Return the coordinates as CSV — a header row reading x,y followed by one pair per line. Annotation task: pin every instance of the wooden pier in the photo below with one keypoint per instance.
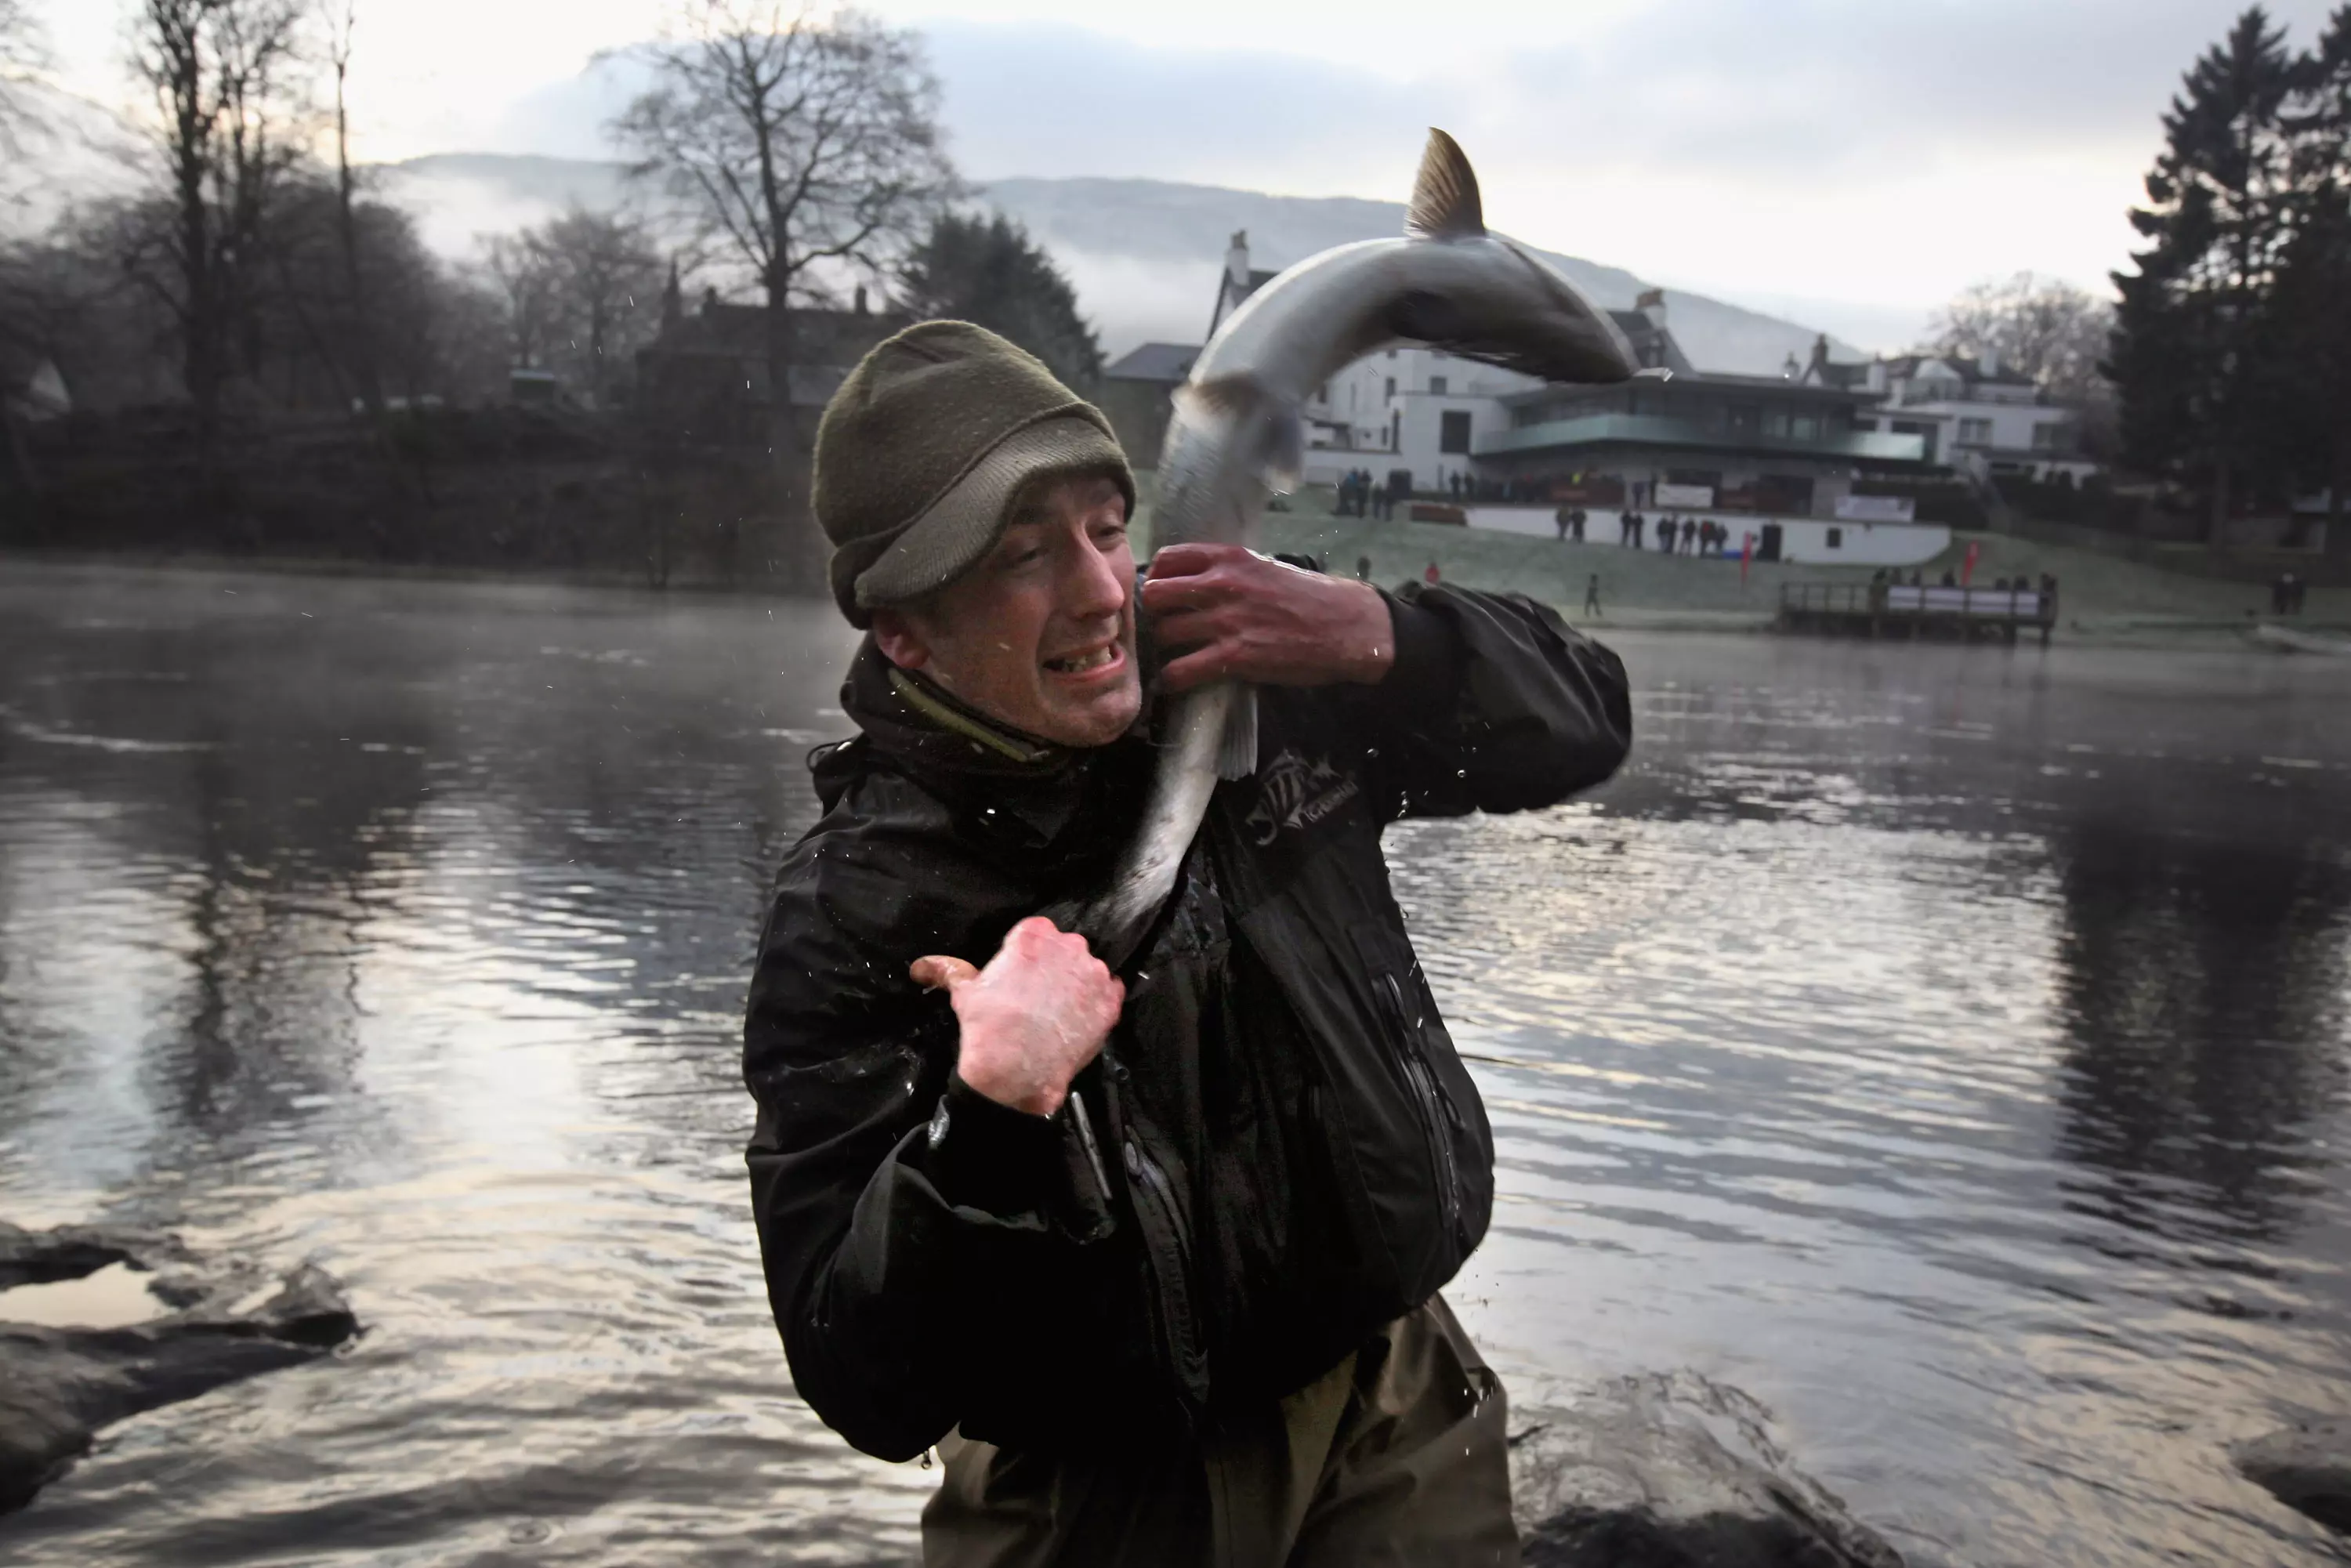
x,y
1899,610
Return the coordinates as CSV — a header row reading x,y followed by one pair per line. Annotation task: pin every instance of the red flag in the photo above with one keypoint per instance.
x,y
1746,554
1967,567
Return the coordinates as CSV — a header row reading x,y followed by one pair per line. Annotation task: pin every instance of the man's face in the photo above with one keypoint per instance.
x,y
1039,635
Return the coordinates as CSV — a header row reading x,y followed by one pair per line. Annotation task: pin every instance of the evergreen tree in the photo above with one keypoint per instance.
x,y
989,271
2199,393
2312,305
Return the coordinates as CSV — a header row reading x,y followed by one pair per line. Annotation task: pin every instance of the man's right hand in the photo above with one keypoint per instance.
x,y
1034,1018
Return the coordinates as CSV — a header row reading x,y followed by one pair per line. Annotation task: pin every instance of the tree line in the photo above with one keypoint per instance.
x,y
2232,349
782,152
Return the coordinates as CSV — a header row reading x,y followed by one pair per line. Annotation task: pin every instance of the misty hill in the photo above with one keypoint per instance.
x,y
1154,247
1143,253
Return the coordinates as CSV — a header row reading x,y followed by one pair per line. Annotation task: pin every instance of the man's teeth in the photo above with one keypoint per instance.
x,y
1077,663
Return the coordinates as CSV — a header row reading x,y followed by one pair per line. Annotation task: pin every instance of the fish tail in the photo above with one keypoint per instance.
x,y
1237,751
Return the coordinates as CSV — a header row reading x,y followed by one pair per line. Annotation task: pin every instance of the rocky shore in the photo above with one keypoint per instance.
x,y
59,1385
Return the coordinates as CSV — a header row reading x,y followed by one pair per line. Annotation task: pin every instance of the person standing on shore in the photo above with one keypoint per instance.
x,y
1199,1323
1591,595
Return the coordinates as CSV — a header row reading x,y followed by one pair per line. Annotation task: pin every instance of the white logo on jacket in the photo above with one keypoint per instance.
x,y
1294,793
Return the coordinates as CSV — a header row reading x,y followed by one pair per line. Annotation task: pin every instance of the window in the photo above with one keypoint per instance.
x,y
1437,385
1836,539
1453,431
1392,389
1973,432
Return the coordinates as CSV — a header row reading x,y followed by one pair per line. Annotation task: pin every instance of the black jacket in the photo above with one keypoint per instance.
x,y
1293,1152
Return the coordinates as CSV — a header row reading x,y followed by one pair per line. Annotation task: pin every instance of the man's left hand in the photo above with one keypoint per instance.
x,y
1246,617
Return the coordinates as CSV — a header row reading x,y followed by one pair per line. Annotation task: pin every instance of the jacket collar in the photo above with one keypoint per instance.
x,y
988,772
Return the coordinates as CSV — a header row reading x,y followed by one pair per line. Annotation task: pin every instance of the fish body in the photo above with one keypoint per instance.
x,y
1236,436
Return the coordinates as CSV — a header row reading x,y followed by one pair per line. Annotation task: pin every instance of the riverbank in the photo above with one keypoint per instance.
x,y
2105,598
2102,598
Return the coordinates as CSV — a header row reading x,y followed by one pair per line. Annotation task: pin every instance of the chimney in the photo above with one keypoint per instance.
x,y
1989,362
1237,267
1652,304
1875,378
860,300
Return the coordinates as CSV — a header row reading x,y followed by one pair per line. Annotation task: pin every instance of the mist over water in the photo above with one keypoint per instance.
x,y
1946,1045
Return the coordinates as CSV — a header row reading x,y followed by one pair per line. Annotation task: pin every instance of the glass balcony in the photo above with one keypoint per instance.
x,y
1659,430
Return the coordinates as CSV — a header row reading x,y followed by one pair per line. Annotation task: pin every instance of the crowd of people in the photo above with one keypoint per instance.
x,y
1361,495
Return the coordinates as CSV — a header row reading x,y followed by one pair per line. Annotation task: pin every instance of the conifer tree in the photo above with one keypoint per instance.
x,y
989,271
2312,306
2198,391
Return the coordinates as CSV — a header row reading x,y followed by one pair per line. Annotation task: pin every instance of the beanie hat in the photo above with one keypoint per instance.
x,y
926,444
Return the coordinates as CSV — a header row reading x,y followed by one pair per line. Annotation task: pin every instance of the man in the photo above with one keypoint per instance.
x,y
1152,1258
1591,595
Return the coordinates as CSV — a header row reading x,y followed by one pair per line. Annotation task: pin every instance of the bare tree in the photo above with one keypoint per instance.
x,y
804,143
219,70
524,280
342,21
2043,328
604,280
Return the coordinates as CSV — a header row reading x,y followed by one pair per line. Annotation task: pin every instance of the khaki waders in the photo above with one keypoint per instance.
x,y
1397,1458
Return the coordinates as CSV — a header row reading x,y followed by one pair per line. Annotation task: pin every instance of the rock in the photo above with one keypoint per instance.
x,y
58,1386
1674,1471
2306,1467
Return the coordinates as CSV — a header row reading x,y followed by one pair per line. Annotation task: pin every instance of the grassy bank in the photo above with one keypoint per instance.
x,y
2103,596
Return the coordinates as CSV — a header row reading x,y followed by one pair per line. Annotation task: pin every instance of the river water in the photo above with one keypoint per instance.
x,y
1945,1045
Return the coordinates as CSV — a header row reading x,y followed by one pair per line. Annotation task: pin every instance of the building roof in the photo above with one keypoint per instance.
x,y
820,337
1168,363
1969,368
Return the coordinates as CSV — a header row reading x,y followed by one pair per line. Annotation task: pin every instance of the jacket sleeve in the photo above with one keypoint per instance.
x,y
876,1243
1494,703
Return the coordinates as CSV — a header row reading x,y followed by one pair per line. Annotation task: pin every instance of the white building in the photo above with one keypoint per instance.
x,y
1791,459
1974,413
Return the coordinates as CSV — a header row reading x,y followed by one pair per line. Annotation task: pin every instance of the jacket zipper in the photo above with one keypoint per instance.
x,y
1178,1329
1435,1112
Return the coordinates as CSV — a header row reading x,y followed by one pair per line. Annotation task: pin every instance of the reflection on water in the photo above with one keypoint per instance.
x,y
1946,1045
115,1297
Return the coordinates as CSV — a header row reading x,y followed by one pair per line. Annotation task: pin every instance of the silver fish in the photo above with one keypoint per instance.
x,y
1236,437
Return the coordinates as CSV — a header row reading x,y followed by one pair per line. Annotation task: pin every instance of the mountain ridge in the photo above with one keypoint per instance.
x,y
1144,254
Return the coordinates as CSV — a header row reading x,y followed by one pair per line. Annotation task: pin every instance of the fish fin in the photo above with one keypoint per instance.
x,y
1237,752
1444,204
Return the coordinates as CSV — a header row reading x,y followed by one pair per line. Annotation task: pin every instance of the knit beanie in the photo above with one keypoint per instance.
x,y
925,448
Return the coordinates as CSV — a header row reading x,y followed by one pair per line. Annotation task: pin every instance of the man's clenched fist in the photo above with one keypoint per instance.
x,y
1034,1018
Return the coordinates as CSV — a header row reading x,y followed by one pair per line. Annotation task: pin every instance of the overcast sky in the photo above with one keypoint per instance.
x,y
1847,163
